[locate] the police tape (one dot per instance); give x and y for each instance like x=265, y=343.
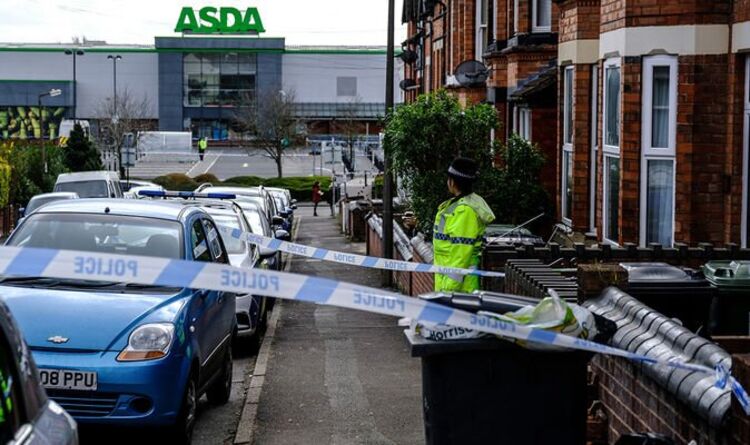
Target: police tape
x=67, y=264
x=349, y=258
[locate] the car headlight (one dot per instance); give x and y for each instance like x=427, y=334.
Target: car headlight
x=148, y=342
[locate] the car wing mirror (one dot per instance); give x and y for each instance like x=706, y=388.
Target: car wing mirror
x=283, y=235
x=277, y=220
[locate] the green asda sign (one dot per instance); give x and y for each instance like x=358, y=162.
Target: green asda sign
x=210, y=20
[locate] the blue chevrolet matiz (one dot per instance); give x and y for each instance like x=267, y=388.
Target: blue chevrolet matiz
x=118, y=353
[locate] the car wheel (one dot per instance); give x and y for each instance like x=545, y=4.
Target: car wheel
x=183, y=429
x=220, y=390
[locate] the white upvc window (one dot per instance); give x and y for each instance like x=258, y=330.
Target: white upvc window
x=541, y=15
x=482, y=28
x=594, y=146
x=516, y=14
x=611, y=150
x=658, y=141
x=567, y=149
x=522, y=122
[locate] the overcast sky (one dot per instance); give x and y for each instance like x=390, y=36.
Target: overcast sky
x=302, y=22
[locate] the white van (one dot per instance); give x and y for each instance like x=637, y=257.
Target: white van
x=96, y=184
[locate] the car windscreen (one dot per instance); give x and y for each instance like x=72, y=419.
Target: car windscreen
x=35, y=203
x=127, y=235
x=233, y=245
x=85, y=189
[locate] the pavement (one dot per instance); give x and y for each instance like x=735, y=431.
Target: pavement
x=337, y=376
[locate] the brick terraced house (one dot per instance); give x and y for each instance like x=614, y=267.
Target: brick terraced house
x=641, y=106
x=517, y=42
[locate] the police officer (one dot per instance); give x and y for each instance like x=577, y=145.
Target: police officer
x=202, y=145
x=459, y=226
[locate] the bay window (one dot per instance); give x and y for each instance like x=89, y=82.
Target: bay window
x=567, y=148
x=484, y=27
x=659, y=128
x=611, y=149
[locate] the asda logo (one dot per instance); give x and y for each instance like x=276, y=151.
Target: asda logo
x=210, y=20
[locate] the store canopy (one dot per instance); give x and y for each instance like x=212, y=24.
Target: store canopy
x=339, y=111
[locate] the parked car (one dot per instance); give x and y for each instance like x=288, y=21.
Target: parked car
x=256, y=217
x=27, y=416
x=251, y=309
x=96, y=184
x=126, y=354
x=134, y=192
x=37, y=201
x=266, y=200
x=128, y=185
x=285, y=203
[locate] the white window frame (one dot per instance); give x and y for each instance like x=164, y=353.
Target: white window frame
x=594, y=146
x=480, y=37
x=567, y=147
x=648, y=152
x=745, y=156
x=522, y=121
x=534, y=10
x=609, y=151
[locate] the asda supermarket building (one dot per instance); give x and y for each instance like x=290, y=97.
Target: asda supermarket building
x=190, y=82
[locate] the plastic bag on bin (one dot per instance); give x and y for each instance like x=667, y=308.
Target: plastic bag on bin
x=552, y=314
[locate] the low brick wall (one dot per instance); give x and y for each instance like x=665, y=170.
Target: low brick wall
x=421, y=283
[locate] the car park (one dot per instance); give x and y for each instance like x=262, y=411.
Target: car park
x=96, y=184
x=27, y=415
x=126, y=354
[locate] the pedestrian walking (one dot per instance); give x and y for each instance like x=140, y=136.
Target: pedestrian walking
x=316, y=196
x=459, y=226
x=202, y=145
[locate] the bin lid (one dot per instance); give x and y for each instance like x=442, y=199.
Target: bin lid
x=656, y=272
x=728, y=273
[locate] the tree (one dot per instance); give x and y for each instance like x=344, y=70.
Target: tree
x=422, y=139
x=351, y=126
x=131, y=115
x=80, y=153
x=270, y=118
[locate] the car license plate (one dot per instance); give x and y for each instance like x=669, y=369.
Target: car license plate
x=68, y=379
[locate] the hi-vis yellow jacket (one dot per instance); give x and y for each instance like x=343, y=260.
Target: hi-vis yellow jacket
x=457, y=240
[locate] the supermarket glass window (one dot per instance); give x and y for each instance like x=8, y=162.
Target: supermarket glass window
x=219, y=79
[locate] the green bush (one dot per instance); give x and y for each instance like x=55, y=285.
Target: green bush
x=206, y=177
x=176, y=181
x=422, y=138
x=5, y=177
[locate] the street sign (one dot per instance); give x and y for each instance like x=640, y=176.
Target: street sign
x=127, y=157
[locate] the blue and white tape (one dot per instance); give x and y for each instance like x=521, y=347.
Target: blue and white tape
x=351, y=259
x=65, y=264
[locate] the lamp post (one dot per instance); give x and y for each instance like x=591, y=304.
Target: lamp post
x=114, y=59
x=74, y=52
x=51, y=93
x=387, y=176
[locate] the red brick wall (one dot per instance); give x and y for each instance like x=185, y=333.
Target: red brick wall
x=543, y=124
x=630, y=149
x=740, y=11
x=421, y=283
x=733, y=162
x=579, y=19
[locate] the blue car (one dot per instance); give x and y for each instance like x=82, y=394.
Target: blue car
x=126, y=354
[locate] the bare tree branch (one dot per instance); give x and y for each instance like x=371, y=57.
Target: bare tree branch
x=270, y=118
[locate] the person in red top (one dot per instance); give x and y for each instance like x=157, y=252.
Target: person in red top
x=316, y=196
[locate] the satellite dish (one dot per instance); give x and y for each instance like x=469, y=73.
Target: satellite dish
x=408, y=56
x=407, y=84
x=471, y=73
